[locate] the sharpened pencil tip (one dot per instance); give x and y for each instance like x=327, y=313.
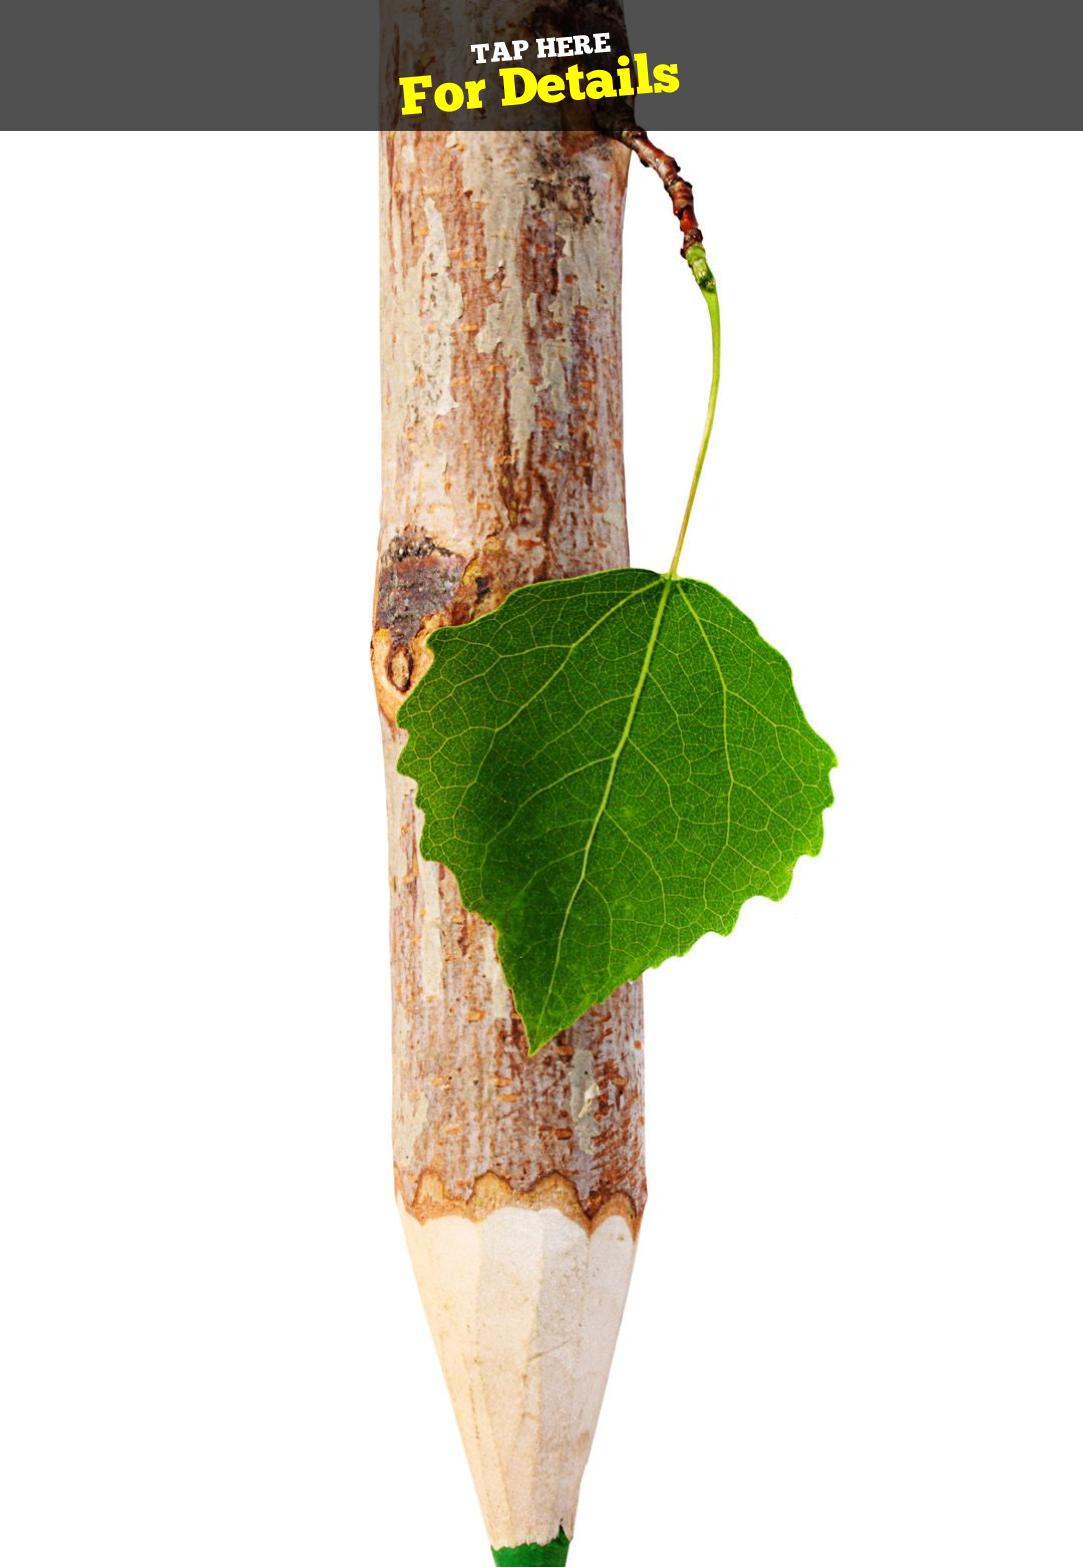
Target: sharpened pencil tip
x=555, y=1554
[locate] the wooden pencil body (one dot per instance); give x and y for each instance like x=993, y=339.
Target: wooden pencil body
x=521, y=1181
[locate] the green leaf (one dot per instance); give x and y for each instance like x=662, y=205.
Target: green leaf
x=610, y=765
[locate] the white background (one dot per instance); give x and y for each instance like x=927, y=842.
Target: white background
x=854, y=1336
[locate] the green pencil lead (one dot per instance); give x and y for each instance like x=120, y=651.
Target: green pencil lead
x=555, y=1554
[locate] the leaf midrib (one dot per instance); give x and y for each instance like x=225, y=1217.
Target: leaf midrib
x=723, y=682
x=652, y=642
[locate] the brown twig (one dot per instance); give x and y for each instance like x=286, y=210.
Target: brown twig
x=669, y=172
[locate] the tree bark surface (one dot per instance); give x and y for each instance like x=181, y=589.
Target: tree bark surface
x=502, y=465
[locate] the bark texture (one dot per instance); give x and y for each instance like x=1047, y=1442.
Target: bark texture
x=502, y=464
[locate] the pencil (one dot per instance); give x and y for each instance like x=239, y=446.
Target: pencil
x=520, y=1180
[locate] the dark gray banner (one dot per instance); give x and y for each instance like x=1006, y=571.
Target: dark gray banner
x=742, y=64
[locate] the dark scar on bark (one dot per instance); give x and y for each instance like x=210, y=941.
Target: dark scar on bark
x=417, y=577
